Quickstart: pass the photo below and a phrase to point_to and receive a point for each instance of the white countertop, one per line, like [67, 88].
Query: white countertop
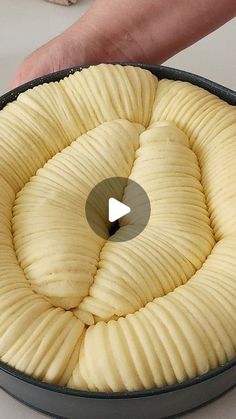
[25, 25]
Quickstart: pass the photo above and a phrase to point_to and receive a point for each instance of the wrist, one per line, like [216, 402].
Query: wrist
[98, 37]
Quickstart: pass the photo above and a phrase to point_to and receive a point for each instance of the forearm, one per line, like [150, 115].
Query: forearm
[147, 30]
[128, 30]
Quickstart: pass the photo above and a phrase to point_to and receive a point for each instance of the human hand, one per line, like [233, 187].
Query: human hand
[89, 40]
[66, 50]
[127, 30]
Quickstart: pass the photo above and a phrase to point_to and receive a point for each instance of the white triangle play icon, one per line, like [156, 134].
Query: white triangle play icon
[116, 210]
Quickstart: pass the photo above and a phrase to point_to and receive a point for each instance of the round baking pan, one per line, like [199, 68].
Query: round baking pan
[168, 401]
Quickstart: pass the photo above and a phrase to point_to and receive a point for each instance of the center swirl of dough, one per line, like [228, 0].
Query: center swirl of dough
[65, 261]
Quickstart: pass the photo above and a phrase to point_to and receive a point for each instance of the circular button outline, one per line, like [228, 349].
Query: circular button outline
[126, 191]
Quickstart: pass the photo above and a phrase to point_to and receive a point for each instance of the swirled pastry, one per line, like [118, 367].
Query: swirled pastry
[159, 308]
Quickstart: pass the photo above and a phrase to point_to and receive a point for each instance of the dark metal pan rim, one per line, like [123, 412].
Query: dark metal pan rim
[222, 92]
[163, 72]
[118, 395]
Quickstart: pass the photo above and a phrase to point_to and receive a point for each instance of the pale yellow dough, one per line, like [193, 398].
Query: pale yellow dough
[79, 310]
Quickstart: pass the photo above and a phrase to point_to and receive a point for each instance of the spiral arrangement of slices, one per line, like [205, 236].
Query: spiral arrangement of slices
[79, 310]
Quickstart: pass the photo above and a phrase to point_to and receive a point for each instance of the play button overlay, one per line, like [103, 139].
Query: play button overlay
[117, 209]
